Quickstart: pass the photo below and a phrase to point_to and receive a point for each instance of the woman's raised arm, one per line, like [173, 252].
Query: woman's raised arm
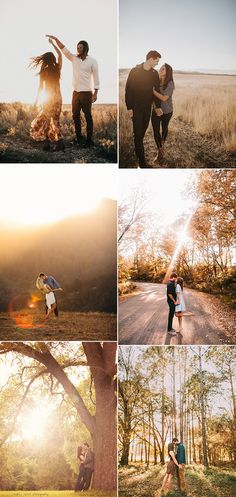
[58, 52]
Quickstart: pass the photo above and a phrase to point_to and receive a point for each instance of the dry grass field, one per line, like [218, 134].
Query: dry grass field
[202, 132]
[30, 325]
[17, 146]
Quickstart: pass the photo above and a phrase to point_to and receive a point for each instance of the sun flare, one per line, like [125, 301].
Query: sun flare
[33, 423]
[182, 240]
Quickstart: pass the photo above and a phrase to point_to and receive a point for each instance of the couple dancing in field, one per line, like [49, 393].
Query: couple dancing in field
[176, 465]
[48, 286]
[46, 126]
[149, 95]
[175, 300]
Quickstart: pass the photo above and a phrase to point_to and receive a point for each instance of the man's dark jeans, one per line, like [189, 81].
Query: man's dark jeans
[81, 478]
[82, 100]
[87, 478]
[141, 118]
[171, 314]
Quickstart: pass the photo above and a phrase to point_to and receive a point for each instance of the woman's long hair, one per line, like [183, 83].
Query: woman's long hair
[180, 281]
[168, 76]
[47, 65]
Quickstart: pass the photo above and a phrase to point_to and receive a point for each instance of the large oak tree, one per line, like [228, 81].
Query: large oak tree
[50, 358]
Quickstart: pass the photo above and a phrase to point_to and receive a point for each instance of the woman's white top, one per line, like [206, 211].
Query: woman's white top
[180, 307]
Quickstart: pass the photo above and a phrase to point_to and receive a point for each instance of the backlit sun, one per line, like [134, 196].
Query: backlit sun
[33, 423]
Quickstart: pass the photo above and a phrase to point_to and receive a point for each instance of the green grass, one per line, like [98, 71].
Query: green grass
[137, 481]
[55, 493]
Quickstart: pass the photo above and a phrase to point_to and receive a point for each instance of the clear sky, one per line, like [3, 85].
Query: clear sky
[40, 195]
[23, 25]
[189, 34]
[166, 190]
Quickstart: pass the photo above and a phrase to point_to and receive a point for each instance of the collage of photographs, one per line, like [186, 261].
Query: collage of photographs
[118, 248]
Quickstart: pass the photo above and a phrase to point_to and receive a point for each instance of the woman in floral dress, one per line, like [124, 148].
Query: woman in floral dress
[46, 126]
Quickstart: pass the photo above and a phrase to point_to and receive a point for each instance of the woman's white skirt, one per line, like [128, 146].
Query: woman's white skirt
[50, 299]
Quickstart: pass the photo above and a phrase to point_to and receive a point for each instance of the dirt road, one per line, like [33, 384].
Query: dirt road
[143, 319]
[185, 148]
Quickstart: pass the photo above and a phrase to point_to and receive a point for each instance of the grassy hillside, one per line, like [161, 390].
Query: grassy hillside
[79, 252]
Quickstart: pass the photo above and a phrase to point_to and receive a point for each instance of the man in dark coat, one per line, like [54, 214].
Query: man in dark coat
[139, 98]
[172, 301]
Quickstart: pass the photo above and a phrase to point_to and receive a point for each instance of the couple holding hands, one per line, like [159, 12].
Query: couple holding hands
[46, 126]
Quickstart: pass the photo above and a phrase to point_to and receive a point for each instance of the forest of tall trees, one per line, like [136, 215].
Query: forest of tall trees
[183, 392]
[186, 392]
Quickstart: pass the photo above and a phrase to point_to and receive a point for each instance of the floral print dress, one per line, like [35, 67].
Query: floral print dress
[46, 124]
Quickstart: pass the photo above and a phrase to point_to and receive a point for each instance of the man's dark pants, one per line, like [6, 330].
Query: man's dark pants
[171, 314]
[82, 100]
[141, 118]
[87, 477]
[81, 478]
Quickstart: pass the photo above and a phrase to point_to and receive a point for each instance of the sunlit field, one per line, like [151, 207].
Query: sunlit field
[55, 493]
[213, 482]
[202, 132]
[17, 146]
[209, 104]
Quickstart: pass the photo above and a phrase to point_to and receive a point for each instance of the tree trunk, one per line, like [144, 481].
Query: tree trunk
[174, 396]
[102, 366]
[203, 414]
[104, 442]
[193, 440]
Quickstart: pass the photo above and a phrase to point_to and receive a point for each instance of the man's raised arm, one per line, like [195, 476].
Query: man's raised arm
[62, 47]
[58, 42]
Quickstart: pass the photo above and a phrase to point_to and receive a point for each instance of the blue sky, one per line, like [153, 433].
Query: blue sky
[189, 34]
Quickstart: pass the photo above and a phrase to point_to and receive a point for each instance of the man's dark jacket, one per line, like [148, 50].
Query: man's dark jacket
[139, 88]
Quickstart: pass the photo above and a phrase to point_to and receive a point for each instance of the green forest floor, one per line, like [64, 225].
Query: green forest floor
[136, 481]
[55, 493]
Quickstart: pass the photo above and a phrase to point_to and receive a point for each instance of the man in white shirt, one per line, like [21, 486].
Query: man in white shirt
[85, 86]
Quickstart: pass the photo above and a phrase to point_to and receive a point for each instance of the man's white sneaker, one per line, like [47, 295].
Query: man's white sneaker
[172, 332]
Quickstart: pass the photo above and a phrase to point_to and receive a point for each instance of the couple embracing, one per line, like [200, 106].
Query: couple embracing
[176, 465]
[46, 126]
[175, 300]
[148, 94]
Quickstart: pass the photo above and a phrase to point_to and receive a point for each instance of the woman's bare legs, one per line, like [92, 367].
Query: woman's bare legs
[179, 315]
[180, 319]
[49, 311]
[166, 482]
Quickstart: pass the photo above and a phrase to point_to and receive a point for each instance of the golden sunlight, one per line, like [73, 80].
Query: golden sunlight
[33, 423]
[46, 195]
[182, 240]
[43, 97]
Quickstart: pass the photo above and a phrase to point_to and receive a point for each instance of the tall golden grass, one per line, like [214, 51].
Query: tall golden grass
[15, 120]
[207, 102]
